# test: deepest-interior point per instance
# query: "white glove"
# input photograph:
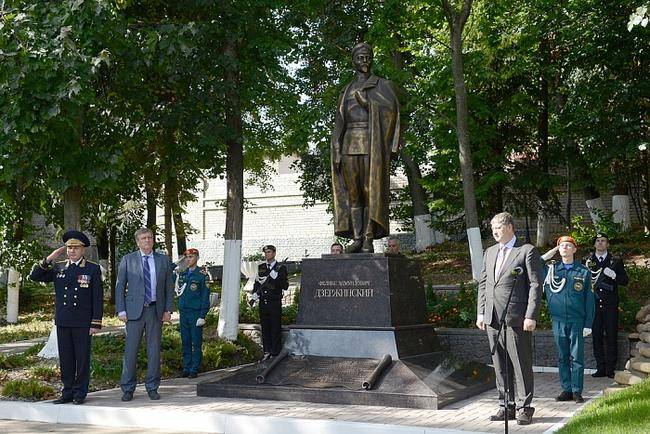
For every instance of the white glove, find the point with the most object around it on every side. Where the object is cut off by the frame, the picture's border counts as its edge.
(255, 296)
(586, 332)
(200, 322)
(609, 273)
(548, 255)
(273, 274)
(122, 316)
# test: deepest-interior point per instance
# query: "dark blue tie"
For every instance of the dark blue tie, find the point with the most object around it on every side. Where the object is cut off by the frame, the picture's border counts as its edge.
(147, 280)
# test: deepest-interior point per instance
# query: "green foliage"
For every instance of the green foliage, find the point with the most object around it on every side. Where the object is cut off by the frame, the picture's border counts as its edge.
(247, 314)
(253, 257)
(47, 372)
(30, 390)
(623, 412)
(458, 310)
(584, 233)
(21, 360)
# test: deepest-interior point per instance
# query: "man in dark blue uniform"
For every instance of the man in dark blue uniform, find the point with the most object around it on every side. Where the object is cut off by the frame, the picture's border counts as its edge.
(79, 310)
(270, 283)
(193, 304)
(607, 273)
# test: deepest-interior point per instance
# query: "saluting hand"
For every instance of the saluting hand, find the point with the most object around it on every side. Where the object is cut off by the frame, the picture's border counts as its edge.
(56, 253)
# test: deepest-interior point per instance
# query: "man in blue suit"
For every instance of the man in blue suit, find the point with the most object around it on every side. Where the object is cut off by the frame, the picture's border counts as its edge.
(143, 299)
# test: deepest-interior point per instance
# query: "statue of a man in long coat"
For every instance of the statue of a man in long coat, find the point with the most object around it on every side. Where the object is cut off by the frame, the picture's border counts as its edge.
(366, 134)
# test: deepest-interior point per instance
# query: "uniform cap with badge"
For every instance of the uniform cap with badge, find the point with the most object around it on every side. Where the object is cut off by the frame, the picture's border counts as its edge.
(268, 247)
(76, 238)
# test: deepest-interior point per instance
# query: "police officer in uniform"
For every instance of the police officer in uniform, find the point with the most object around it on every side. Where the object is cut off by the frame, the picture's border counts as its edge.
(270, 283)
(193, 305)
(567, 286)
(79, 310)
(607, 273)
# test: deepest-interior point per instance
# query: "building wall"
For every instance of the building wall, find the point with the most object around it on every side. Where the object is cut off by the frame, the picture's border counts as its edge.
(274, 215)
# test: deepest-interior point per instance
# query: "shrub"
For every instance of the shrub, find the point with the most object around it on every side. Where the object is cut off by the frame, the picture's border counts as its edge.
(44, 372)
(585, 233)
(30, 389)
(457, 310)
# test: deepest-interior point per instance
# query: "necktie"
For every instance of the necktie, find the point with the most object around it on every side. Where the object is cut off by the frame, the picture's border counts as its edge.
(147, 279)
(499, 263)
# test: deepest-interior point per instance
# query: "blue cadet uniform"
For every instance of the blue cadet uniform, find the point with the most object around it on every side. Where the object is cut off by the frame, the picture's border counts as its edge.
(79, 307)
(571, 305)
(193, 303)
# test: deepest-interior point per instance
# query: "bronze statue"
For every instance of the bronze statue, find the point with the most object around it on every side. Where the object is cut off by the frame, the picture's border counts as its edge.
(366, 134)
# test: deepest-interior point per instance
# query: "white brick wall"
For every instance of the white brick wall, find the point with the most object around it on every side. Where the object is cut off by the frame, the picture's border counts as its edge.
(274, 216)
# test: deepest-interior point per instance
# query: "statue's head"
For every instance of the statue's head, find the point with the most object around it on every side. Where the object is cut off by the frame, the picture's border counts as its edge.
(362, 57)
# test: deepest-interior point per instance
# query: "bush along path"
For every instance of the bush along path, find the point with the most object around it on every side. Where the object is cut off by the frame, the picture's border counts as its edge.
(25, 376)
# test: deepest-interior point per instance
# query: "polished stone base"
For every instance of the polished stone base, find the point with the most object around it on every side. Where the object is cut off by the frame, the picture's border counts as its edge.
(428, 381)
(356, 310)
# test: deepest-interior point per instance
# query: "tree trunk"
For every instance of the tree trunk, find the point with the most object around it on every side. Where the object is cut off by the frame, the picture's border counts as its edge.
(152, 196)
(112, 271)
(169, 200)
(229, 313)
(424, 234)
(179, 226)
(543, 226)
(456, 21)
(594, 202)
(646, 196)
(621, 204)
(72, 208)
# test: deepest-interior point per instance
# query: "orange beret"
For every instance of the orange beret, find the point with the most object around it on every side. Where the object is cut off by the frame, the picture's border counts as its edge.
(191, 252)
(567, 239)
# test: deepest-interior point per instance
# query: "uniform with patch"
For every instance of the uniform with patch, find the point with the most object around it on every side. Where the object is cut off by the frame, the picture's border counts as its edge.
(193, 303)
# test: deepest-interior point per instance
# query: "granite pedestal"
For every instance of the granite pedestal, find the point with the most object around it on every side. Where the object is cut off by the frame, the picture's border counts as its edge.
(354, 311)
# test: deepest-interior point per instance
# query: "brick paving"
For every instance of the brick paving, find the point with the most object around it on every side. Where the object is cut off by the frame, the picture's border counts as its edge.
(470, 415)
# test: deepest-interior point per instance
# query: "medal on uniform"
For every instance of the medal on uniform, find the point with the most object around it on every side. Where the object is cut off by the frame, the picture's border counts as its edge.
(83, 280)
(577, 286)
(194, 286)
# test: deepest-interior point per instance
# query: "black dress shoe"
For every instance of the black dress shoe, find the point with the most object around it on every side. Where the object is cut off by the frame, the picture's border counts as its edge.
(578, 398)
(193, 375)
(525, 416)
(564, 396)
(153, 395)
(185, 374)
(127, 396)
(598, 374)
(79, 401)
(500, 414)
(62, 400)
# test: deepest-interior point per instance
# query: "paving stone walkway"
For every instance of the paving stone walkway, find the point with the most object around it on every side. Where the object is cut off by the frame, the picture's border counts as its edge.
(180, 408)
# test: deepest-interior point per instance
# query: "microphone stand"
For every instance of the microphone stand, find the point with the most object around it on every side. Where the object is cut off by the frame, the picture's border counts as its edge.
(502, 326)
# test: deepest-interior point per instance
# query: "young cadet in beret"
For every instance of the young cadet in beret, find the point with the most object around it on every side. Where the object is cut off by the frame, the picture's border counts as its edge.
(270, 284)
(571, 304)
(607, 273)
(79, 310)
(193, 305)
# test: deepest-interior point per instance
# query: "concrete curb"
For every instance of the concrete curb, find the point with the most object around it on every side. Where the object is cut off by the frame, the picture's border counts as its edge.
(191, 421)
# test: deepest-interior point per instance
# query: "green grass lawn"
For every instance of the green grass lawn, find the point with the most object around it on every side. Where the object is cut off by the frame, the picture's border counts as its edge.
(624, 412)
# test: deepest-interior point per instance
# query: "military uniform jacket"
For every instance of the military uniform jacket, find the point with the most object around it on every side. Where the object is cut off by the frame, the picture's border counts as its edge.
(575, 301)
(606, 288)
(78, 292)
(271, 289)
(196, 295)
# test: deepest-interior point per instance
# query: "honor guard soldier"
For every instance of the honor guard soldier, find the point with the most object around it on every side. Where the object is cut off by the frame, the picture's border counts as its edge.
(193, 305)
(270, 283)
(79, 310)
(607, 273)
(571, 304)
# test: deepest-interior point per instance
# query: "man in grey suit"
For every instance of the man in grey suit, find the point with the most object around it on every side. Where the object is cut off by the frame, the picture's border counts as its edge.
(143, 299)
(501, 262)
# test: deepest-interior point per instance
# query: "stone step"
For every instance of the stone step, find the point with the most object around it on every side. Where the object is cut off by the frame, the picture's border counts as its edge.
(645, 327)
(641, 364)
(645, 336)
(614, 388)
(627, 378)
(643, 312)
(634, 352)
(634, 336)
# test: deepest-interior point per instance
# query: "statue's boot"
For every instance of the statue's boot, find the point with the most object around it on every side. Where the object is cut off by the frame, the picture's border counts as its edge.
(369, 235)
(357, 230)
